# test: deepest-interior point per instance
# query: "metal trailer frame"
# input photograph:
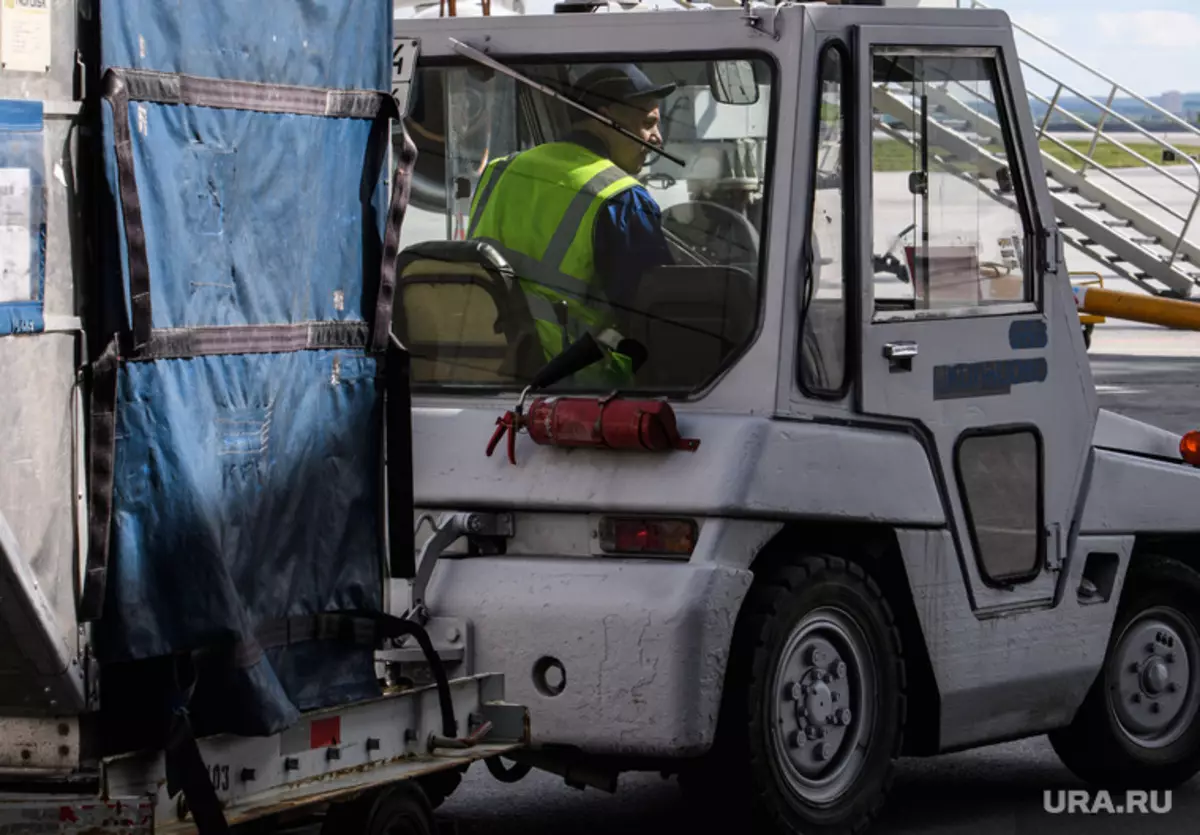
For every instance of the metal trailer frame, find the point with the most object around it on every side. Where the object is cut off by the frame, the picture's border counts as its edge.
(331, 755)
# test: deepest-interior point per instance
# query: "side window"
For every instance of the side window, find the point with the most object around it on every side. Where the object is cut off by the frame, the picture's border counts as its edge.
(1000, 479)
(823, 343)
(951, 230)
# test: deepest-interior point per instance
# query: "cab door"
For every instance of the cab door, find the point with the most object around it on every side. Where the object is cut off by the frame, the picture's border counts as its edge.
(968, 329)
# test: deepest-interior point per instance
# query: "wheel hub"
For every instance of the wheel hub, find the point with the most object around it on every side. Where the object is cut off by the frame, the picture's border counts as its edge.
(1153, 696)
(823, 710)
(818, 707)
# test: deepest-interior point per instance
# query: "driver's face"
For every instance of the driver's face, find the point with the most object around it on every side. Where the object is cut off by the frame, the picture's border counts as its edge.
(641, 118)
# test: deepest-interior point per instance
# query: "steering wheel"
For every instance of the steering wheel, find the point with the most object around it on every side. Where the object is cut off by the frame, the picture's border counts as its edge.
(889, 263)
(718, 233)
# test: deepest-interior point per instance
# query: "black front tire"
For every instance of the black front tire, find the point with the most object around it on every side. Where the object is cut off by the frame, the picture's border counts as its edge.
(1138, 728)
(808, 629)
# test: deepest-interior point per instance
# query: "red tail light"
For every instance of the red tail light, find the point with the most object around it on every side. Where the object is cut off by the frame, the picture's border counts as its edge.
(1189, 448)
(665, 537)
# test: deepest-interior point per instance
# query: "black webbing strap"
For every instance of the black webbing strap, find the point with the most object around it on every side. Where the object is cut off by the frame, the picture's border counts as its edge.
(324, 627)
(102, 432)
(117, 94)
(360, 629)
(179, 343)
(185, 767)
(197, 91)
(401, 191)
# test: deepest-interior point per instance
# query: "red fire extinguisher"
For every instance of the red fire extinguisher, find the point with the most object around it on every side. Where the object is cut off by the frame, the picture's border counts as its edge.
(599, 423)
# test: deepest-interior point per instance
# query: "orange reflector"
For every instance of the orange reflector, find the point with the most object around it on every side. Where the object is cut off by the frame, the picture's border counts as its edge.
(1189, 448)
(628, 535)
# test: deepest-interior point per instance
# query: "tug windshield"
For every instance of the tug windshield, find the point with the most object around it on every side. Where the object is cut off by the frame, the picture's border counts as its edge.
(533, 224)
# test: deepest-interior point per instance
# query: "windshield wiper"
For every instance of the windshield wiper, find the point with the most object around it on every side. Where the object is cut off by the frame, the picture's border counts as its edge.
(479, 58)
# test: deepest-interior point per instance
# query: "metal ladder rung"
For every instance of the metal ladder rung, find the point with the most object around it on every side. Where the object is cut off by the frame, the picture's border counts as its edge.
(1089, 207)
(1144, 240)
(1118, 222)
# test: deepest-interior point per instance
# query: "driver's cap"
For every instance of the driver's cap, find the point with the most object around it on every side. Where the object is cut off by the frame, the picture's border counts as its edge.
(619, 83)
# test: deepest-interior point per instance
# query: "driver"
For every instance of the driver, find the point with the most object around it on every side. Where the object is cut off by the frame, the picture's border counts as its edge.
(573, 221)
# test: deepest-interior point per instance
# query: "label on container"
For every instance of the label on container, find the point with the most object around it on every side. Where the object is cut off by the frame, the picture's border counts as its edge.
(16, 251)
(25, 35)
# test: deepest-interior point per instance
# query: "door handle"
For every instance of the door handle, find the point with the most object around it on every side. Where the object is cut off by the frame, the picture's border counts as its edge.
(900, 350)
(900, 354)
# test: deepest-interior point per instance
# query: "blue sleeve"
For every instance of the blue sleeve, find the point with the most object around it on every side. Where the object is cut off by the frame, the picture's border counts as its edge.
(628, 243)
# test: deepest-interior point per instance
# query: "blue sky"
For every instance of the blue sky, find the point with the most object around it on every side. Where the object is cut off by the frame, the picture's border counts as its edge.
(1150, 46)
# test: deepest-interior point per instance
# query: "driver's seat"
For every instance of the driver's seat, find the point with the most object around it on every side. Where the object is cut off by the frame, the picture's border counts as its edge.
(462, 315)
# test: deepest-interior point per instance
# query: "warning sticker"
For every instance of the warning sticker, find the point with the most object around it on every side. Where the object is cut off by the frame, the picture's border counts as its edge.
(16, 255)
(25, 35)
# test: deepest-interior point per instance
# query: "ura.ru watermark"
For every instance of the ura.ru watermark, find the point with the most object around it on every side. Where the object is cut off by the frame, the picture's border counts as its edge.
(1084, 802)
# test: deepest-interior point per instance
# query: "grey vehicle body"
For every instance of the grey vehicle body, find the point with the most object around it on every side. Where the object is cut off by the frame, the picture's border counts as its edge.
(872, 469)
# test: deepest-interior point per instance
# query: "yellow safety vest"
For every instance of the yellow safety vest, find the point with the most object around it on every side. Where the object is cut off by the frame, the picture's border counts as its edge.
(538, 208)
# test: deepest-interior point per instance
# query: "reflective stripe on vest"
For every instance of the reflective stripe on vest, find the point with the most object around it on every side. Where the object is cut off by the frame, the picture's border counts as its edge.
(538, 209)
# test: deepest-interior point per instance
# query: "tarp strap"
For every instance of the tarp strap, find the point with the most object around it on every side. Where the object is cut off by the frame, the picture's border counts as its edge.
(122, 86)
(361, 629)
(180, 343)
(101, 466)
(324, 627)
(397, 208)
(185, 767)
(177, 88)
(131, 210)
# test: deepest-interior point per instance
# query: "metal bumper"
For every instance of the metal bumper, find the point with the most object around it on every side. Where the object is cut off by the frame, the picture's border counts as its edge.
(638, 647)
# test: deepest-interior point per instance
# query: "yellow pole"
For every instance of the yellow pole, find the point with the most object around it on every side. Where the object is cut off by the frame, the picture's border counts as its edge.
(1153, 310)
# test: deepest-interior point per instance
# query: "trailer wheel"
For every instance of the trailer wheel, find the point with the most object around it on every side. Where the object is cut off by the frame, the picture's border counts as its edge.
(1137, 726)
(441, 784)
(514, 773)
(401, 809)
(814, 708)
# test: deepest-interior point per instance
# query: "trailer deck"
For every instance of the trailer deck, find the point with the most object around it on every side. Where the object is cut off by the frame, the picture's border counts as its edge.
(331, 755)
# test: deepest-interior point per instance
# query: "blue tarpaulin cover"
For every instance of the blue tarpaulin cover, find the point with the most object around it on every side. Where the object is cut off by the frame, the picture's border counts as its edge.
(246, 488)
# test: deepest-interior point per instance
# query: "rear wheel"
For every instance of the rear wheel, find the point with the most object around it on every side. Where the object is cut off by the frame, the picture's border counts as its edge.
(1137, 727)
(813, 713)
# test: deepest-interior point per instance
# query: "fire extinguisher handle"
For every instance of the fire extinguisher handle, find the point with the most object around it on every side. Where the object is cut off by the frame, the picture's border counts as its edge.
(502, 425)
(507, 424)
